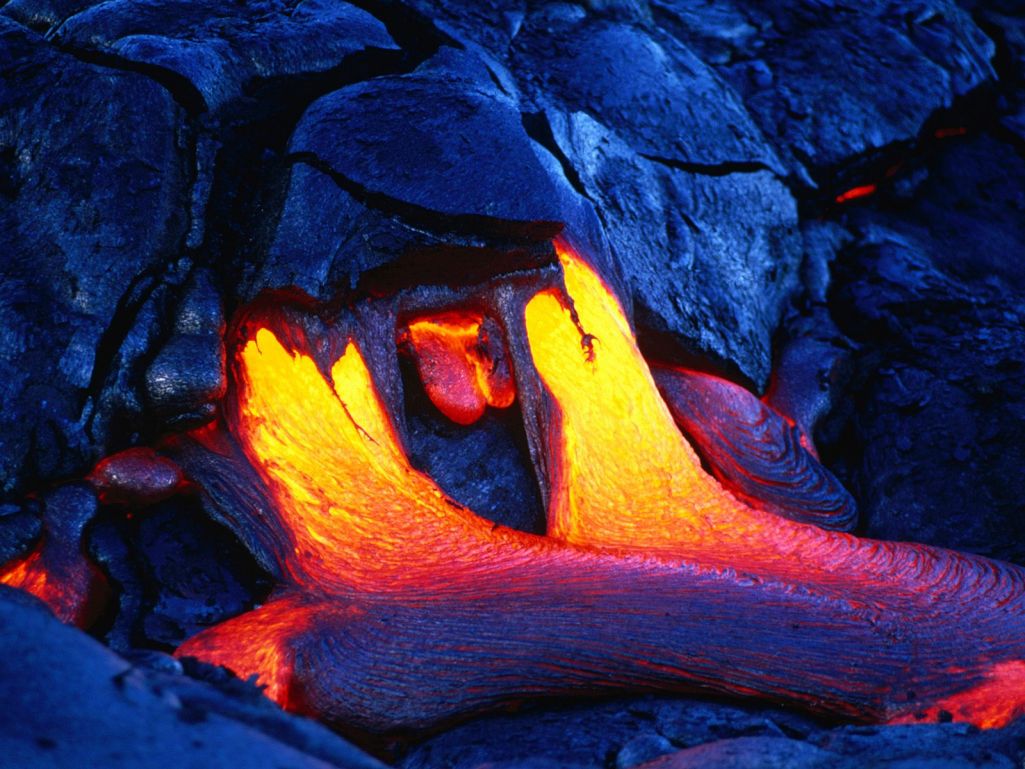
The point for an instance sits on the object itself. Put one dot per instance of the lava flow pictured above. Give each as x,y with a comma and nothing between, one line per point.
57,570
399,609
461,371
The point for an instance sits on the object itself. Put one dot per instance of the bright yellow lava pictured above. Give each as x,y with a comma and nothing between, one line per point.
358,512
627,477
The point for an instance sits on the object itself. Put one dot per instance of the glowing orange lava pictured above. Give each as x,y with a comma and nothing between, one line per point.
71,586
985,705
27,573
399,608
460,372
854,193
622,461
627,476
355,508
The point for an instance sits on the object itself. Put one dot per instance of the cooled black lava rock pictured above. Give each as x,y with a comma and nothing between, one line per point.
710,256
619,732
811,370
406,163
187,377
928,291
443,146
20,526
695,733
660,98
828,82
197,573
324,238
215,55
70,702
93,161
44,15
188,372
685,184
485,466
749,753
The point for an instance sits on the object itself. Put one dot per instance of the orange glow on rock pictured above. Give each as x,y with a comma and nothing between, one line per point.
260,647
136,476
992,704
73,588
399,608
461,373
854,193
28,575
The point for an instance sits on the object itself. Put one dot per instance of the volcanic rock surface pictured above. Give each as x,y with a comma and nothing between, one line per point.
164,162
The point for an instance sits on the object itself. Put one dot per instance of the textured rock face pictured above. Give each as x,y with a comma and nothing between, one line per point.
667,141
94,179
688,189
890,66
657,732
216,55
71,702
931,294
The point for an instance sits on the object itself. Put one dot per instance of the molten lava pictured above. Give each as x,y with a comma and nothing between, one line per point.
399,609
357,514
73,588
461,365
862,191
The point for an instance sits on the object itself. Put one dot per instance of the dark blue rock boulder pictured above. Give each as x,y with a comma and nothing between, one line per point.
92,216
216,54
71,702
829,82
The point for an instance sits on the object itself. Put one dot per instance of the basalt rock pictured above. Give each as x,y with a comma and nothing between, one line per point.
710,259
94,177
20,526
668,153
186,378
214,56
402,167
891,64
72,702
700,734
939,312
196,574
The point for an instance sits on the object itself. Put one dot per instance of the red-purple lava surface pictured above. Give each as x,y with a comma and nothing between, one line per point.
399,608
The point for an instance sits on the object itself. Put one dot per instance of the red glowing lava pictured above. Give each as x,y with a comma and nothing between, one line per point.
399,609
854,193
65,580
461,365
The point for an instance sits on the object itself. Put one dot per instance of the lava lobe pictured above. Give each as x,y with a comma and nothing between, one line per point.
398,609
